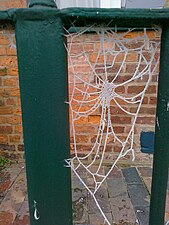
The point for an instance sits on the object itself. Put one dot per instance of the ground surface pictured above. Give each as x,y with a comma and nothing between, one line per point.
118,197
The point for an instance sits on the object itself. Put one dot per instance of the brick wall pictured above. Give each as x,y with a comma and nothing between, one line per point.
11,138
6,4
86,128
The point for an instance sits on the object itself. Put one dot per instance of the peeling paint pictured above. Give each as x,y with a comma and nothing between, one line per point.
158,124
36,212
167,106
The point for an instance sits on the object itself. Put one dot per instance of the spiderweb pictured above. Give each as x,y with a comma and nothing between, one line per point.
104,89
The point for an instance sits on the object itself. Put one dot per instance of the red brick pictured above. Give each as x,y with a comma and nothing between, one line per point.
85,147
83,68
130,68
82,88
118,130
150,34
93,138
120,78
4,93
11,92
82,138
94,119
94,57
145,100
14,120
18,110
84,108
128,128
152,89
6,129
117,148
131,57
3,139
8,61
2,51
85,129
3,119
133,34
135,89
82,120
98,45
14,138
3,71
147,55
116,110
21,148
6,110
4,40
145,120
116,67
18,129
120,89
10,82
13,4
11,51
153,100
110,140
13,71
11,101
120,120
155,78
144,110
7,147
2,102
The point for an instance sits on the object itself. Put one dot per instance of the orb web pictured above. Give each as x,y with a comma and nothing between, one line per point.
103,89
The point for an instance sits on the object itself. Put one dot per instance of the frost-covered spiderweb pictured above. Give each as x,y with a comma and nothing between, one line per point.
109,76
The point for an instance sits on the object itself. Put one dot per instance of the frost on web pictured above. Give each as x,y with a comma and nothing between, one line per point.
11,37
103,89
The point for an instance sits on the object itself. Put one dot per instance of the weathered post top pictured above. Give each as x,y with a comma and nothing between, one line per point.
41,3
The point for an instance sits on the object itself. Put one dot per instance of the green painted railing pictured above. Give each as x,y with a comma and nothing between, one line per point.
44,83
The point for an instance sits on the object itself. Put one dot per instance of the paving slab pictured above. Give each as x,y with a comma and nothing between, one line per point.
78,194
91,183
142,214
6,218
139,195
76,184
7,177
145,171
122,210
97,219
131,175
23,215
15,196
102,198
147,182
116,187
123,196
82,172
115,173
80,212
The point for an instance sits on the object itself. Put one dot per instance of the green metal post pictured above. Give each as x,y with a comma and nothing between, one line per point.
161,155
44,91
